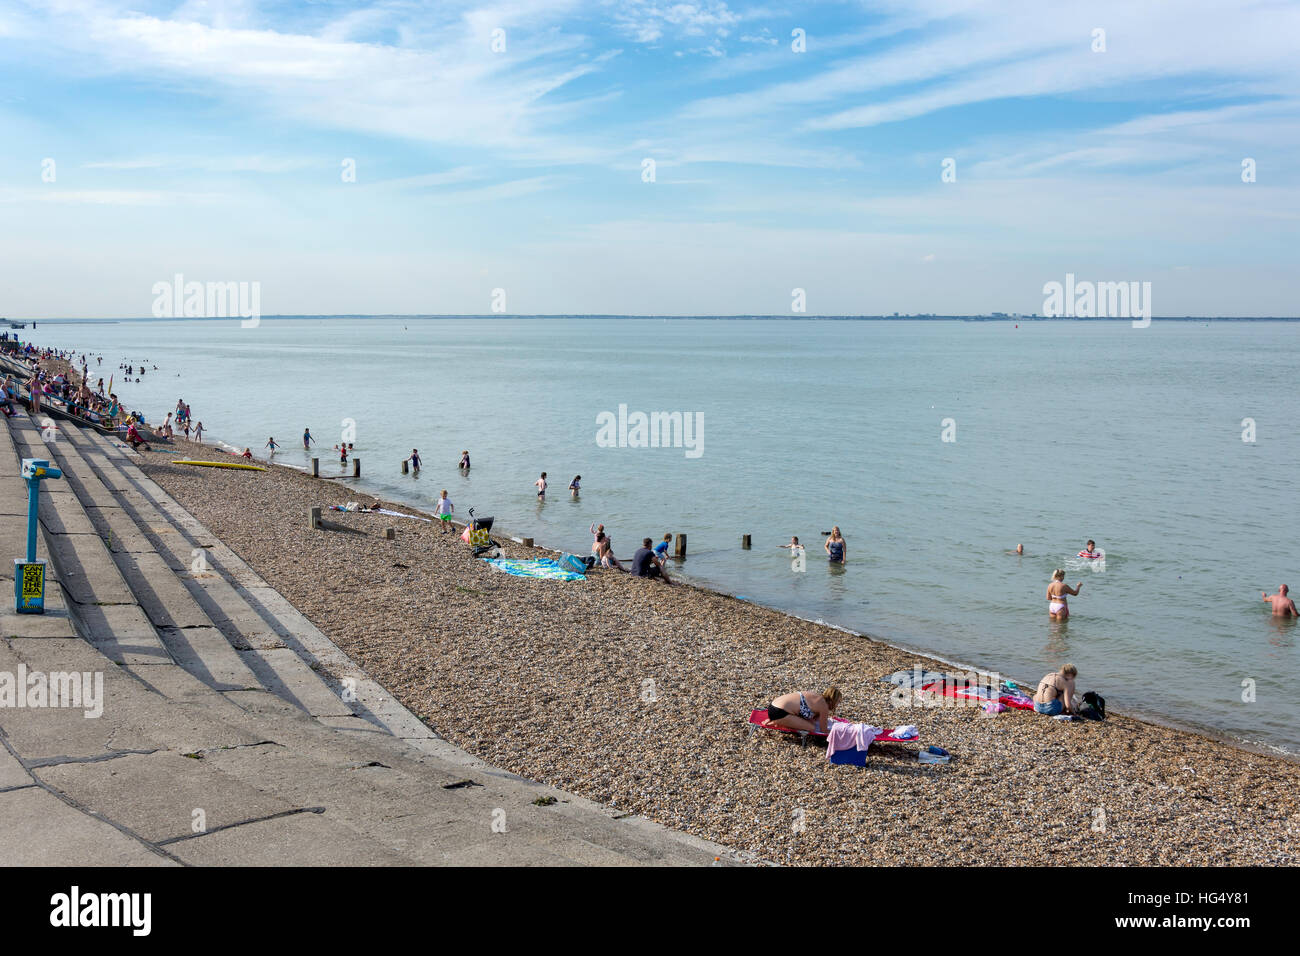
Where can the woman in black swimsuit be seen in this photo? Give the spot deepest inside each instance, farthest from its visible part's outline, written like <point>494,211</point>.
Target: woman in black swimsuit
<point>804,710</point>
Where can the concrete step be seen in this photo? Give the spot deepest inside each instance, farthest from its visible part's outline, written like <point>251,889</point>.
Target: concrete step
<point>183,596</point>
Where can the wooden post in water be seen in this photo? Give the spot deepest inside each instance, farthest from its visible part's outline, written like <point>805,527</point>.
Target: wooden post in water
<point>356,467</point>
<point>744,541</point>
<point>406,467</point>
<point>315,467</point>
<point>315,517</point>
<point>681,545</point>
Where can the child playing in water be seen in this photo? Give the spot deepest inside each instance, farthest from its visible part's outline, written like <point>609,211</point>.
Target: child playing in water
<point>270,443</point>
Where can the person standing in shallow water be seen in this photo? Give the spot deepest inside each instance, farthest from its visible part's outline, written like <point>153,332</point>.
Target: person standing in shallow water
<point>837,549</point>
<point>1058,609</point>
<point>541,487</point>
<point>307,439</point>
<point>1283,606</point>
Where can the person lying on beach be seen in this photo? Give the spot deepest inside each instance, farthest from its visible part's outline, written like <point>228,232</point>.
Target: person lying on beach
<point>1055,694</point>
<point>646,565</point>
<point>1058,608</point>
<point>837,549</point>
<point>804,710</point>
<point>1283,606</point>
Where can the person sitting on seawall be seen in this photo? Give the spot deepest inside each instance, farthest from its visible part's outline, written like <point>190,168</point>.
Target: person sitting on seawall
<point>804,710</point>
<point>646,565</point>
<point>1055,694</point>
<point>1058,609</point>
<point>1283,606</point>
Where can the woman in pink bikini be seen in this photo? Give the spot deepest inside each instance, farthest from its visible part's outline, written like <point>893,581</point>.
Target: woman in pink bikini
<point>1057,607</point>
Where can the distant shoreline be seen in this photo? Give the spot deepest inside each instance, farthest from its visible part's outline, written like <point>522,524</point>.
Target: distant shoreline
<point>683,318</point>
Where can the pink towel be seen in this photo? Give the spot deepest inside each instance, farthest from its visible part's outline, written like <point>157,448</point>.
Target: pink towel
<point>849,736</point>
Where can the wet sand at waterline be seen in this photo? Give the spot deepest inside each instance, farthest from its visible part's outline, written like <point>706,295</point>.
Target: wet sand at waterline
<point>548,680</point>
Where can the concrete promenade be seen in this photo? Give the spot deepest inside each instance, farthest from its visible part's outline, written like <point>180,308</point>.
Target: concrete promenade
<point>233,731</point>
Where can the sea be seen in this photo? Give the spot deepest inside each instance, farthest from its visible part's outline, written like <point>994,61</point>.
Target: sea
<point>936,446</point>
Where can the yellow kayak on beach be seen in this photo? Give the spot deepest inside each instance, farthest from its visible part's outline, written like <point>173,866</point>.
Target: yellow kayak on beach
<point>222,464</point>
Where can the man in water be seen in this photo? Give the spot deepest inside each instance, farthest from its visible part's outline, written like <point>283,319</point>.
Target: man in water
<point>541,486</point>
<point>1283,606</point>
<point>307,439</point>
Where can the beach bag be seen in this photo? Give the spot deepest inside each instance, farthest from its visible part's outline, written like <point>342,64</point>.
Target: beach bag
<point>480,537</point>
<point>571,562</point>
<point>1093,707</point>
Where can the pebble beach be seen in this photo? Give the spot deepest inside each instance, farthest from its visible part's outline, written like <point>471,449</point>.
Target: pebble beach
<point>637,695</point>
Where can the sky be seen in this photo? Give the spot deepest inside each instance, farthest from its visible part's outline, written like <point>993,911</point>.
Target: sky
<point>634,157</point>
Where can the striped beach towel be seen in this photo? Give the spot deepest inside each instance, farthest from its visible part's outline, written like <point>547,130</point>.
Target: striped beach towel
<point>544,568</point>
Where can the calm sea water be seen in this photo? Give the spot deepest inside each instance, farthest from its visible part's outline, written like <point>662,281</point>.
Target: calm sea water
<point>1064,431</point>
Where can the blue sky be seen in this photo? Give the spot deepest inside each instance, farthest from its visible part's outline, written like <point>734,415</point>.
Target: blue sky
<point>208,138</point>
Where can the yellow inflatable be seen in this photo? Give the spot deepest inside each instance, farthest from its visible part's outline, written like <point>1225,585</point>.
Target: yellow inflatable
<point>221,464</point>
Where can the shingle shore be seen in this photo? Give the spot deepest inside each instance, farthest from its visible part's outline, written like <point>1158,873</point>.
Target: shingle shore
<point>636,694</point>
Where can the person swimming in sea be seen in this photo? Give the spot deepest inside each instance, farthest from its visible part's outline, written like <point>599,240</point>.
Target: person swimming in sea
<point>1090,550</point>
<point>1057,606</point>
<point>837,549</point>
<point>1283,606</point>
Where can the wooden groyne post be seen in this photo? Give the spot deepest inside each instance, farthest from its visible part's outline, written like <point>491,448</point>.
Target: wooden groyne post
<point>680,550</point>
<point>406,466</point>
<point>356,467</point>
<point>745,541</point>
<point>314,517</point>
<point>315,467</point>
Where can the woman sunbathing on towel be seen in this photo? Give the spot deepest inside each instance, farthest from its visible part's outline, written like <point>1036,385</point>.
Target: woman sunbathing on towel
<point>804,710</point>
